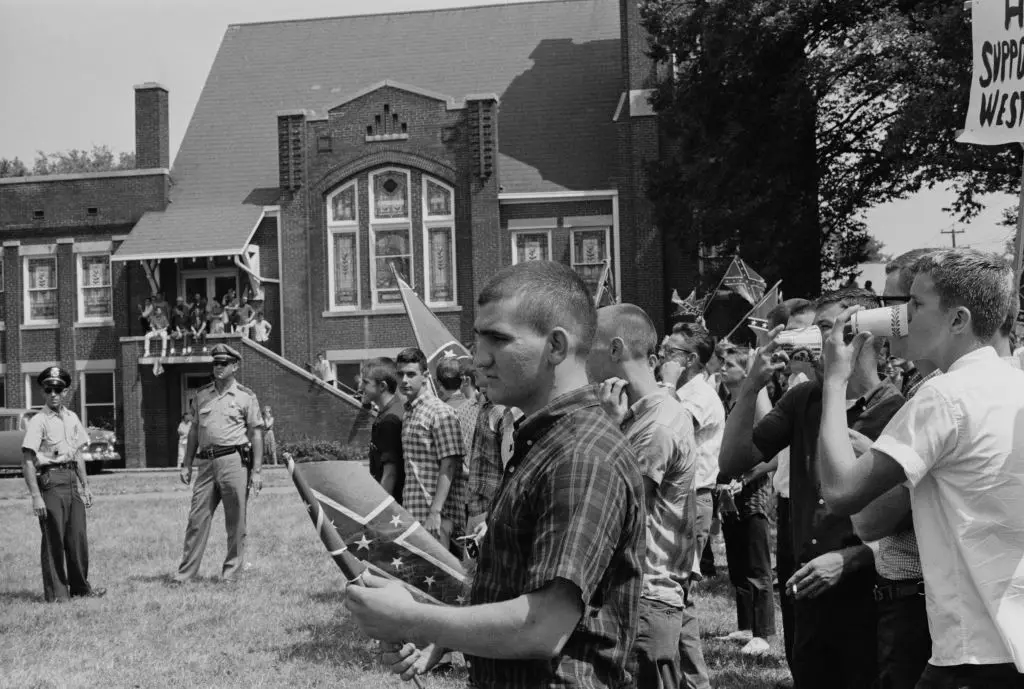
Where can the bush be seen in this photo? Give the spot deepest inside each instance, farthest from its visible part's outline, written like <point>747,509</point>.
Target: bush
<point>317,450</point>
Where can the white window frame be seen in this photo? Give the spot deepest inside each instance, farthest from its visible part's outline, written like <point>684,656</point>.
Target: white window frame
<point>26,290</point>
<point>515,234</point>
<point>343,227</point>
<point>79,290</point>
<point>82,392</point>
<point>572,245</point>
<point>438,222</point>
<point>389,225</point>
<point>30,385</point>
<point>3,288</point>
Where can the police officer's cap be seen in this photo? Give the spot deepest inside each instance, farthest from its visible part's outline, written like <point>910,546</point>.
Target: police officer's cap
<point>54,375</point>
<point>222,352</point>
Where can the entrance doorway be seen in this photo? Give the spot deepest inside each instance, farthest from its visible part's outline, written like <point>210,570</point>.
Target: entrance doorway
<point>211,284</point>
<point>190,384</point>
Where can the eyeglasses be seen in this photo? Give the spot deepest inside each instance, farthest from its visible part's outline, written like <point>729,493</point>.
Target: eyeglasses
<point>674,351</point>
<point>53,391</point>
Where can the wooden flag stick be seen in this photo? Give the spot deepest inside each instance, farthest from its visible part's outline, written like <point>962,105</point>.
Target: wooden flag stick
<point>1018,241</point>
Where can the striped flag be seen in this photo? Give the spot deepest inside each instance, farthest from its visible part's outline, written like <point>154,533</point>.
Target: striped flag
<point>742,280</point>
<point>431,335</point>
<point>363,527</point>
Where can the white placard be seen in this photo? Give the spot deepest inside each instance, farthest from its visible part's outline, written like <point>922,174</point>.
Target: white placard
<point>996,112</point>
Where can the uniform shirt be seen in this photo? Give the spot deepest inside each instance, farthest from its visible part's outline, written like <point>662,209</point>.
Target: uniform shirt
<point>570,507</point>
<point>386,443</point>
<point>795,423</point>
<point>959,440</point>
<point>54,436</point>
<point>430,433</point>
<point>704,405</point>
<point>224,418</point>
<point>485,467</point>
<point>660,431</point>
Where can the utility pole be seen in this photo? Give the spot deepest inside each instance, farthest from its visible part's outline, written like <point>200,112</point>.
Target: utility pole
<point>953,232</point>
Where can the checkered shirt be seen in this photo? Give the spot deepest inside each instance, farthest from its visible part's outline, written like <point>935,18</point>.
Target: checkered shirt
<point>898,557</point>
<point>570,507</point>
<point>430,433</point>
<point>485,468</point>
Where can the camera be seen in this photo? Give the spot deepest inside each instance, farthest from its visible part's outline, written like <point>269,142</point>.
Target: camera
<point>800,345</point>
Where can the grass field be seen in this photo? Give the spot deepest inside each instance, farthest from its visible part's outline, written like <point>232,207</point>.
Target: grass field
<point>283,625</point>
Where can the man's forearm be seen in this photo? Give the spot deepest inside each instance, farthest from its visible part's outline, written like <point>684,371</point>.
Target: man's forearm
<point>28,469</point>
<point>444,483</point>
<point>83,475</point>
<point>256,439</point>
<point>885,516</point>
<point>191,446</point>
<point>389,478</point>
<point>841,473</point>
<point>738,453</point>
<point>857,558</point>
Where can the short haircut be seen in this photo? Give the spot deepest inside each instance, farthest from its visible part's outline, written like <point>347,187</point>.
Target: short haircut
<point>741,355</point>
<point>633,326</point>
<point>847,297</point>
<point>798,306</point>
<point>699,339</point>
<point>978,281</point>
<point>1010,324</point>
<point>906,264</point>
<point>382,371</point>
<point>449,374</point>
<point>550,295</point>
<point>412,355</point>
<point>467,369</point>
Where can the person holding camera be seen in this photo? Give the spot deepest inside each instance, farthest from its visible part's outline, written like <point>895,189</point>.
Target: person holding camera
<point>227,441</point>
<point>834,641</point>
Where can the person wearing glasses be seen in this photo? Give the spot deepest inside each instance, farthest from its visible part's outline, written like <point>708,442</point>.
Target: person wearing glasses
<point>54,470</point>
<point>226,440</point>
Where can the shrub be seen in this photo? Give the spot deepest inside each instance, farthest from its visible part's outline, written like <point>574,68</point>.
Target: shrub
<point>317,450</point>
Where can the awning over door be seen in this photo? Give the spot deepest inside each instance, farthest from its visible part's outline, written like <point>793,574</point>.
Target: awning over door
<point>191,232</point>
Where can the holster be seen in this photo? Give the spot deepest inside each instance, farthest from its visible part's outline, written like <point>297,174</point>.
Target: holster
<point>245,451</point>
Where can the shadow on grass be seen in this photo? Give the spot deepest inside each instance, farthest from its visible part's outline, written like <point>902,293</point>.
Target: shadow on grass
<point>167,578</point>
<point>20,597</point>
<point>334,643</point>
<point>329,597</point>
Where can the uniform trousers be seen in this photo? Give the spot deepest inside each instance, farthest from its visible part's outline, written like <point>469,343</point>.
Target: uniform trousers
<point>221,479</point>
<point>64,554</point>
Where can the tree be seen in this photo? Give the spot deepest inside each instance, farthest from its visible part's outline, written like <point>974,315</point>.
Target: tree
<point>100,159</point>
<point>12,167</point>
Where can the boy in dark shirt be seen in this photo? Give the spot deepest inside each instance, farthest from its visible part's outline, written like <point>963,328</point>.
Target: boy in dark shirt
<point>379,383</point>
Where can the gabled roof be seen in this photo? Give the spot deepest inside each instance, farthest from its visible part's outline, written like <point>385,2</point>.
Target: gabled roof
<point>554,65</point>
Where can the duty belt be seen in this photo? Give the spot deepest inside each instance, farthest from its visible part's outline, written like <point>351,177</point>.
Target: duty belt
<point>56,465</point>
<point>215,451</point>
<point>898,590</point>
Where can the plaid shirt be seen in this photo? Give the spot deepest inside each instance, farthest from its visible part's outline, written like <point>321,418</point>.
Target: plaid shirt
<point>430,433</point>
<point>570,507</point>
<point>485,466</point>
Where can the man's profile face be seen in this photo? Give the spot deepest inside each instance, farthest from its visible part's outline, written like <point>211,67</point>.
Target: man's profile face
<point>410,380</point>
<point>510,354</point>
<point>371,389</point>
<point>928,322</point>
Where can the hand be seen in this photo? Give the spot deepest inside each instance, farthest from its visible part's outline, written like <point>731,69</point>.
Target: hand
<point>765,361</point>
<point>382,608</point>
<point>838,358</point>
<point>87,498</point>
<point>612,394</point>
<point>479,531</point>
<point>861,443</point>
<point>816,577</point>
<point>407,661</point>
<point>255,483</point>
<point>38,506</point>
<point>671,372</point>
<point>186,475</point>
<point>433,524</point>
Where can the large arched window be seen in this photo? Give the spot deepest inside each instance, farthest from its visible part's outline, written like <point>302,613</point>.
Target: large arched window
<point>390,233</point>
<point>438,243</point>
<point>343,247</point>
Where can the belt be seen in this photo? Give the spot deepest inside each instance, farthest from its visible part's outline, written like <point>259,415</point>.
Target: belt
<point>216,451</point>
<point>56,465</point>
<point>704,490</point>
<point>898,590</point>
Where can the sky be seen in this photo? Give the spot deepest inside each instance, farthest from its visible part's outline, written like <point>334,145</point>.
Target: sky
<point>67,68</point>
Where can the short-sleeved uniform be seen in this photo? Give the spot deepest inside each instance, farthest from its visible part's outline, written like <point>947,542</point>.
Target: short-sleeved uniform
<point>223,421</point>
<point>430,433</point>
<point>386,444</point>
<point>570,507</point>
<point>54,437</point>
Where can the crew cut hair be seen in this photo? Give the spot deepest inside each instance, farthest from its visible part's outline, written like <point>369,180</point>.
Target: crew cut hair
<point>550,295</point>
<point>382,371</point>
<point>978,281</point>
<point>906,263</point>
<point>449,374</point>
<point>847,297</point>
<point>633,326</point>
<point>412,355</point>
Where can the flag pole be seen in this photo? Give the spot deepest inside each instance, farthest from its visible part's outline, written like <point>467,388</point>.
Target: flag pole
<point>756,306</point>
<point>711,295</point>
<point>1018,241</point>
<point>352,567</point>
<point>601,283</point>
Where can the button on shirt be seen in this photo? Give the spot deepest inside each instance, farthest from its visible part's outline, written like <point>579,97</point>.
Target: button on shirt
<point>795,423</point>
<point>54,436</point>
<point>570,507</point>
<point>224,418</point>
<point>660,431</point>
<point>959,440</point>
<point>704,405</point>
<point>430,433</point>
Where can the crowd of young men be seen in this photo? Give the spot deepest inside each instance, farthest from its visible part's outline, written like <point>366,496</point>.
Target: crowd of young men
<point>580,455</point>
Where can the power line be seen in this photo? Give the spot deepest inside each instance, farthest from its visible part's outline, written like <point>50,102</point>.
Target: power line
<point>953,232</point>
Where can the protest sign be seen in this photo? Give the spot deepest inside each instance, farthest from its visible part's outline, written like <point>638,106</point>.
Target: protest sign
<point>995,115</point>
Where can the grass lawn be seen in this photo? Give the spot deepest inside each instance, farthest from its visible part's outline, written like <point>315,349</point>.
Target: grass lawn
<point>283,625</point>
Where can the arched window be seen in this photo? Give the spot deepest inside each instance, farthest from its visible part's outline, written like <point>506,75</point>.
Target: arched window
<point>438,243</point>
<point>343,247</point>
<point>390,234</point>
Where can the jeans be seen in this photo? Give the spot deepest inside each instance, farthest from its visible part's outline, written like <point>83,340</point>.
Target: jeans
<point>904,643</point>
<point>785,566</point>
<point>702,526</point>
<point>691,653</point>
<point>655,658</point>
<point>1003,676</point>
<point>748,548</point>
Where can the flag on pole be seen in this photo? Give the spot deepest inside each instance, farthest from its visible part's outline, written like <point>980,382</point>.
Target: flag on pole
<point>363,528</point>
<point>743,281</point>
<point>691,306</point>
<point>431,335</point>
<point>758,316</point>
<point>606,294</point>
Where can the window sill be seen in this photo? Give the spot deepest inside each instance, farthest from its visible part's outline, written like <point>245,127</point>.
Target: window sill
<point>105,323</point>
<point>3,326</point>
<point>386,311</point>
<point>45,325</point>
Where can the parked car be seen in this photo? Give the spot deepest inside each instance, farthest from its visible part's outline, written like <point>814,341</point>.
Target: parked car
<point>12,433</point>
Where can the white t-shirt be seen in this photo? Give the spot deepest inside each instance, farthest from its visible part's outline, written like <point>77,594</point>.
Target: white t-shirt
<point>703,403</point>
<point>960,441</point>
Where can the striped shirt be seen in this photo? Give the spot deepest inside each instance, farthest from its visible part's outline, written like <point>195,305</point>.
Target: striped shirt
<point>485,466</point>
<point>430,433</point>
<point>570,507</point>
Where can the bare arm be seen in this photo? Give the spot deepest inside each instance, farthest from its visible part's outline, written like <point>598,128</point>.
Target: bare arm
<point>444,482</point>
<point>885,516</point>
<point>256,438</point>
<point>389,478</point>
<point>738,453</point>
<point>28,469</point>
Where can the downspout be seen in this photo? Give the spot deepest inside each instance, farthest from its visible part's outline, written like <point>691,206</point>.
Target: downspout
<point>309,251</point>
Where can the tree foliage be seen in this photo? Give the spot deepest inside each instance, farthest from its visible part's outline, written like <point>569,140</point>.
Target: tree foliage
<point>75,161</point>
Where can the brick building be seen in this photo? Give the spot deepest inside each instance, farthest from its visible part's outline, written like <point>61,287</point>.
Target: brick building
<point>321,152</point>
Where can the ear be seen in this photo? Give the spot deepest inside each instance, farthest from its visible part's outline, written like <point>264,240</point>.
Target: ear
<point>962,321</point>
<point>617,349</point>
<point>559,345</point>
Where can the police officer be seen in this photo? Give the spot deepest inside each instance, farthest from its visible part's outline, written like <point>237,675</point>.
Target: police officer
<point>226,441</point>
<point>54,468</point>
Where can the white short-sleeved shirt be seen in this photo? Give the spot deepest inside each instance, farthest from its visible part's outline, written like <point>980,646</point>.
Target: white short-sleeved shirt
<point>960,441</point>
<point>703,403</point>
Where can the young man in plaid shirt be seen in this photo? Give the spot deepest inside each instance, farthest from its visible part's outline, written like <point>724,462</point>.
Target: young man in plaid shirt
<point>557,591</point>
<point>432,450</point>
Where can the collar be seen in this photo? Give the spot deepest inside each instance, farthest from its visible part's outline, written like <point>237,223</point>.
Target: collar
<point>457,396</point>
<point>536,424</point>
<point>416,401</point>
<point>57,412</point>
<point>697,381</point>
<point>230,390</point>
<point>978,356</point>
<point>645,404</point>
<point>881,392</point>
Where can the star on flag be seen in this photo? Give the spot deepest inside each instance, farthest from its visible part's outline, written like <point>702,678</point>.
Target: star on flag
<point>397,563</point>
<point>396,521</point>
<point>430,581</point>
<point>364,543</point>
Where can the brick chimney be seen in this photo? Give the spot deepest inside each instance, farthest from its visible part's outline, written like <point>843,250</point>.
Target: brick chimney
<point>152,131</point>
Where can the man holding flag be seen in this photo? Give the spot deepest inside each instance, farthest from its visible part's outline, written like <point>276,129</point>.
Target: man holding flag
<point>565,533</point>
